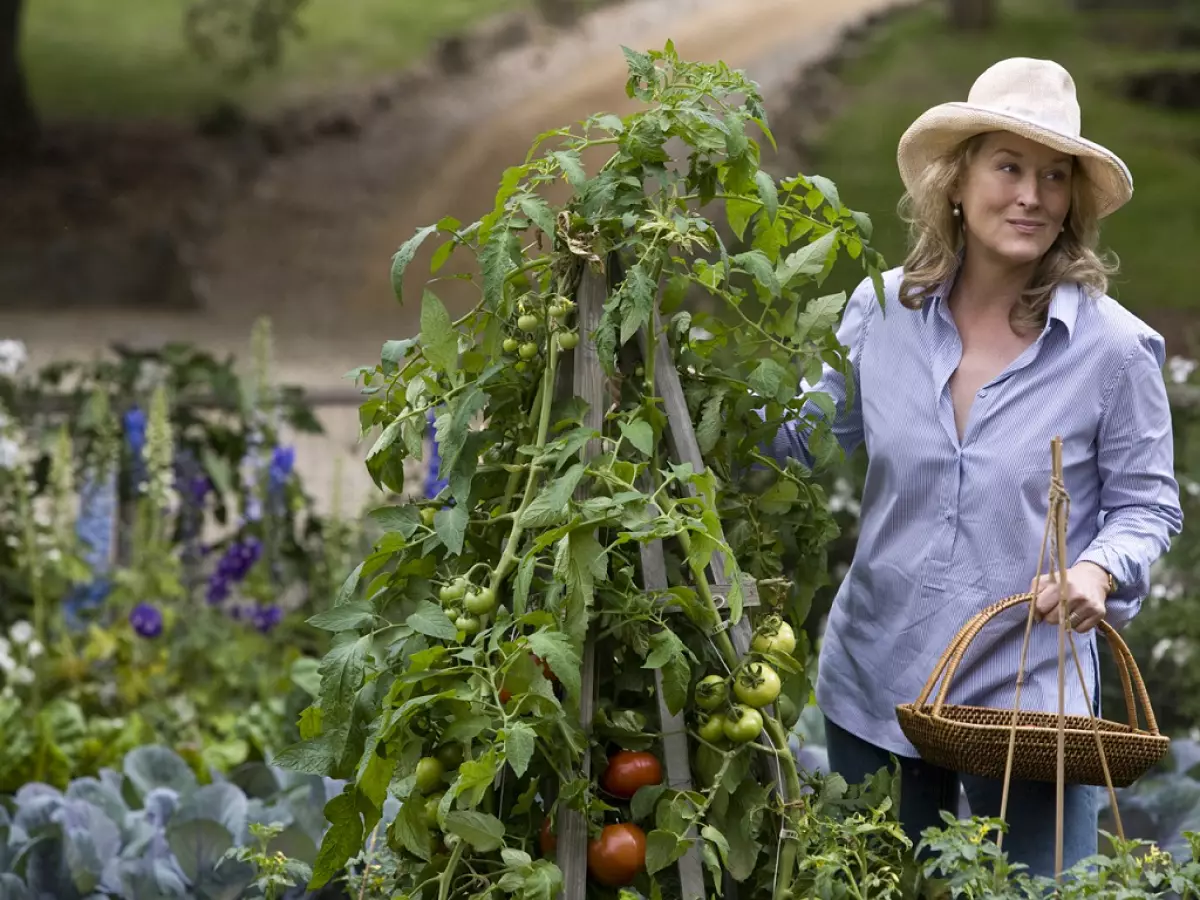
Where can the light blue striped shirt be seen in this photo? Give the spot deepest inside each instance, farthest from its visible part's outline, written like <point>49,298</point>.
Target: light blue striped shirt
<point>949,528</point>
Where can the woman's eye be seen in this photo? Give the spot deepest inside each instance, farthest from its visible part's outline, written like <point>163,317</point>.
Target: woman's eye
<point>1009,167</point>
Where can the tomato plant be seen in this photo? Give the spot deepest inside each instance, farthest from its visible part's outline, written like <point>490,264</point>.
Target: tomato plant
<point>467,629</point>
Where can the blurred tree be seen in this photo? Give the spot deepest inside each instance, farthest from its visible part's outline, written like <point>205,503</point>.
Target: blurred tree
<point>972,14</point>
<point>239,36</point>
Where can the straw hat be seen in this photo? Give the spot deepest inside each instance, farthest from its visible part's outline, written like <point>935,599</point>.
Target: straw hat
<point>1034,98</point>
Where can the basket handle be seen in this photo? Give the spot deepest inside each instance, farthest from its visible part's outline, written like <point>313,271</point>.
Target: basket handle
<point>1131,677</point>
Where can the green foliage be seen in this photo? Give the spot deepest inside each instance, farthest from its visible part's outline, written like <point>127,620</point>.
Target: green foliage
<point>96,531</point>
<point>555,532</point>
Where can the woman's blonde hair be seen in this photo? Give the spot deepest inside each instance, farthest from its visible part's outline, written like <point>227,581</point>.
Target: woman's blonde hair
<point>935,239</point>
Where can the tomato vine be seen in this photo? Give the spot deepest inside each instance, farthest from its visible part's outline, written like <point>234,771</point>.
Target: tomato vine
<point>454,681</point>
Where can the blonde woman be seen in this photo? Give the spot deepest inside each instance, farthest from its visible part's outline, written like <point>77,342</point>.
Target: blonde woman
<point>997,334</point>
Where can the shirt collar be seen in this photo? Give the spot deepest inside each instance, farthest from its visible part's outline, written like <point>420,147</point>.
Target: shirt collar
<point>1064,304</point>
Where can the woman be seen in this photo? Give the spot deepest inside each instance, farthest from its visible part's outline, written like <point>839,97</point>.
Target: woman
<point>996,336</point>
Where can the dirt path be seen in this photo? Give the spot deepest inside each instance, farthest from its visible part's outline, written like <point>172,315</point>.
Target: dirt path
<point>311,244</point>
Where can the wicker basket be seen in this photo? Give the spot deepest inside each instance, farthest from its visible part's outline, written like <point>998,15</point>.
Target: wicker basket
<point>976,740</point>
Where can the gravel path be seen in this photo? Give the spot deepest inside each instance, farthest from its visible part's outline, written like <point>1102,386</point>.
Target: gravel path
<point>311,244</point>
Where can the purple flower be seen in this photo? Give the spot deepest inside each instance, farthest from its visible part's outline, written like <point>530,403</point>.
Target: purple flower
<point>283,462</point>
<point>433,484</point>
<point>135,439</point>
<point>267,617</point>
<point>146,620</point>
<point>233,566</point>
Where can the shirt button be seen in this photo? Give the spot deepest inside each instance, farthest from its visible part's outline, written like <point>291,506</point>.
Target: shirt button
<point>983,392</point>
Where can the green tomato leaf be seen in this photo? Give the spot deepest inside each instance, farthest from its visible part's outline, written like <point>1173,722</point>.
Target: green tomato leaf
<point>808,260</point>
<point>341,676</point>
<point>539,212</point>
<point>405,255</point>
<point>768,193</point>
<point>767,378</point>
<point>759,266</point>
<point>662,849</point>
<point>451,526</point>
<point>644,801</point>
<point>404,520</point>
<point>342,840</point>
<point>409,828</point>
<point>641,434</point>
<point>820,315</point>
<point>351,616</point>
<point>636,301</point>
<point>522,584</point>
<point>709,429</point>
<point>551,506</point>
<point>482,831</point>
<point>572,166</point>
<point>556,649</point>
<point>429,619</point>
<point>439,340</point>
<point>519,745</point>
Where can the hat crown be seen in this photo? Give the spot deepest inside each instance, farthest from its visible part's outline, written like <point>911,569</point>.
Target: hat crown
<point>1037,90</point>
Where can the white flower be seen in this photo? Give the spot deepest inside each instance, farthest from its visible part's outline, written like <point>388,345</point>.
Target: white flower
<point>22,675</point>
<point>1161,649</point>
<point>5,646</point>
<point>1179,369</point>
<point>7,663</point>
<point>1159,591</point>
<point>21,632</point>
<point>12,357</point>
<point>35,649</point>
<point>10,453</point>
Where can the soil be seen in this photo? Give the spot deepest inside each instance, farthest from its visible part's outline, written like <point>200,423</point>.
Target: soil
<point>306,236</point>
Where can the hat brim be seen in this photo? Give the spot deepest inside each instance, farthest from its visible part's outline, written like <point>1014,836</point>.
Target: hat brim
<point>939,130</point>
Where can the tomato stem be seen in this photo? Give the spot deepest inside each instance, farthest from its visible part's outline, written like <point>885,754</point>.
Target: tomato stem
<point>546,397</point>
<point>447,875</point>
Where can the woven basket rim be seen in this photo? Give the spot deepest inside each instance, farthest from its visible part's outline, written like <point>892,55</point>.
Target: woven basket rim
<point>1072,723</point>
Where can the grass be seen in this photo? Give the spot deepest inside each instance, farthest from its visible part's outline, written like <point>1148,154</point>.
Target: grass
<point>123,59</point>
<point>915,62</point>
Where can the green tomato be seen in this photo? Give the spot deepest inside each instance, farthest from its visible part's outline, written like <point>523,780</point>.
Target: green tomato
<point>743,724</point>
<point>786,707</point>
<point>757,685</point>
<point>429,774</point>
<point>711,692</point>
<point>481,603</point>
<point>453,610</point>
<point>774,636</point>
<point>427,515</point>
<point>568,340</point>
<point>467,624</point>
<point>455,590</point>
<point>520,366</point>
<point>511,345</point>
<point>432,802</point>
<point>712,728</point>
<point>450,755</point>
<point>557,311</point>
<point>528,323</point>
<point>528,351</point>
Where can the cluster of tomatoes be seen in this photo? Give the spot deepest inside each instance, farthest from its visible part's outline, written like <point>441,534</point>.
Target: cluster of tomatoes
<point>737,720</point>
<point>466,605</point>
<point>529,322</point>
<point>618,854</point>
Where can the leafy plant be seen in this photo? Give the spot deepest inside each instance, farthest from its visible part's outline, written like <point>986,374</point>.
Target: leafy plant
<point>153,831</point>
<point>454,680</point>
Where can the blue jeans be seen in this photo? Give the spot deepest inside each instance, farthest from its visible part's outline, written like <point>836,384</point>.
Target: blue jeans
<point>926,789</point>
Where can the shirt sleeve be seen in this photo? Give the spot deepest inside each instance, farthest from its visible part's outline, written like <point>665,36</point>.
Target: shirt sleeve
<point>1139,496</point>
<point>792,439</point>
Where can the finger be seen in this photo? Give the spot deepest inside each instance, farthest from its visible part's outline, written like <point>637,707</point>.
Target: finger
<point>1047,603</point>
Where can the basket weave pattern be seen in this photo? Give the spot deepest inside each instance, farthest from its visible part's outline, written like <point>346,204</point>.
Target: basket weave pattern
<point>975,740</point>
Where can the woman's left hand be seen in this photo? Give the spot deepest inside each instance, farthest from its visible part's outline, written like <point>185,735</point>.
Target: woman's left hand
<point>1087,591</point>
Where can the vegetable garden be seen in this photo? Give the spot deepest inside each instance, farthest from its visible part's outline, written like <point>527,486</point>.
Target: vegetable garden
<point>530,686</point>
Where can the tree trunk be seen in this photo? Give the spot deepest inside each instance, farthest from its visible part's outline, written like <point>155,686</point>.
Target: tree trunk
<point>972,14</point>
<point>18,122</point>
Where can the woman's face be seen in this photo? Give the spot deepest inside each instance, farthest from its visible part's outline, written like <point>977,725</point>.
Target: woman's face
<point>1015,196</point>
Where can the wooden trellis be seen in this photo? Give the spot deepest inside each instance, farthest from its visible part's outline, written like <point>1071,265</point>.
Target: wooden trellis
<point>583,371</point>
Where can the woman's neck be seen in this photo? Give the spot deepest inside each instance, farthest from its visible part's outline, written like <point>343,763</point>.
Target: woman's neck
<point>988,288</point>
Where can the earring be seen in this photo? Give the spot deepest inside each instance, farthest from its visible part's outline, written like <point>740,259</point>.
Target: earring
<point>957,210</point>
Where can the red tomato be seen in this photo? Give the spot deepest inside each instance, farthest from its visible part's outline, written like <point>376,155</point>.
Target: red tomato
<point>618,855</point>
<point>505,695</point>
<point>627,771</point>
<point>546,670</point>
<point>547,840</point>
